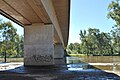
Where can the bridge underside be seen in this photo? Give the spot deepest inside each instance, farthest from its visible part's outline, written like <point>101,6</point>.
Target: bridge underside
<point>46,24</point>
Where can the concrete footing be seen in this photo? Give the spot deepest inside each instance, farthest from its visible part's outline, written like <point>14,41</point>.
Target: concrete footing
<point>59,61</point>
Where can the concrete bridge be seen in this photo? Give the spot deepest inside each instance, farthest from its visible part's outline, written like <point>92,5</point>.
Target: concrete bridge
<point>46,28</point>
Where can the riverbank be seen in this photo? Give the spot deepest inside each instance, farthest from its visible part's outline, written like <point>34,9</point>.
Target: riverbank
<point>76,55</point>
<point>86,55</point>
<point>12,59</point>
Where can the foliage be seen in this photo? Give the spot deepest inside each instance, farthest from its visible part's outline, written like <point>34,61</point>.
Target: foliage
<point>114,13</point>
<point>11,43</point>
<point>94,42</point>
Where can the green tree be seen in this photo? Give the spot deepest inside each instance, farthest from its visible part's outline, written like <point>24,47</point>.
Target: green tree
<point>73,48</point>
<point>114,13</point>
<point>19,45</point>
<point>11,43</point>
<point>84,44</point>
<point>8,33</point>
<point>94,42</point>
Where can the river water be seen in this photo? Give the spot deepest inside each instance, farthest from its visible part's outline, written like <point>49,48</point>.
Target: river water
<point>109,64</point>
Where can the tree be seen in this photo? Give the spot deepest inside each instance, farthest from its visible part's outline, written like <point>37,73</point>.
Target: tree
<point>11,43</point>
<point>8,33</point>
<point>19,45</point>
<point>84,45</point>
<point>114,13</point>
<point>73,48</point>
<point>94,42</point>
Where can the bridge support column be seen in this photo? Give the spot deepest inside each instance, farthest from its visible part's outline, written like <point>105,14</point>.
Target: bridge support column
<point>39,45</point>
<point>59,54</point>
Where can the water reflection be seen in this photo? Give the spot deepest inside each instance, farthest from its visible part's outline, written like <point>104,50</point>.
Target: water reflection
<point>95,63</point>
<point>82,67</point>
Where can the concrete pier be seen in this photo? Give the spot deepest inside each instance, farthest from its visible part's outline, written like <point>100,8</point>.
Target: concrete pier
<point>39,45</point>
<point>58,51</point>
<point>46,22</point>
<point>59,54</point>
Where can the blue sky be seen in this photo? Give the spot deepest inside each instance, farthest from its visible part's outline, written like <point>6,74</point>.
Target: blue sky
<point>84,14</point>
<point>88,13</point>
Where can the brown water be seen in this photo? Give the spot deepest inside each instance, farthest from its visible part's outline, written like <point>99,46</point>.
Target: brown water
<point>109,64</point>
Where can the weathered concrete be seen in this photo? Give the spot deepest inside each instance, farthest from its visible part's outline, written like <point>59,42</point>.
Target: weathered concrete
<point>58,50</point>
<point>52,14</point>
<point>59,54</point>
<point>39,45</point>
<point>59,61</point>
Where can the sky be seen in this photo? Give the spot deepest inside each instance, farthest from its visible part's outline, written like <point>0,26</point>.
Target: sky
<point>84,14</point>
<point>88,14</point>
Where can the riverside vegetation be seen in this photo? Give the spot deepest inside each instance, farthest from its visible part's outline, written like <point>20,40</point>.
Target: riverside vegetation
<point>94,42</point>
<point>11,43</point>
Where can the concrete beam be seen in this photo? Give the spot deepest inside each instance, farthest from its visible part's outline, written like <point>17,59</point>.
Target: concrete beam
<point>39,11</point>
<point>51,12</point>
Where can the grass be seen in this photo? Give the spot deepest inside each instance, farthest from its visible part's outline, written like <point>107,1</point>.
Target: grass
<point>12,59</point>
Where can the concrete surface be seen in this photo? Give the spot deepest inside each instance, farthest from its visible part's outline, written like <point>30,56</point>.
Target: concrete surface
<point>58,51</point>
<point>39,44</point>
<point>55,72</point>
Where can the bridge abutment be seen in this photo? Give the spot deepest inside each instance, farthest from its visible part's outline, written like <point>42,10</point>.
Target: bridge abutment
<point>39,45</point>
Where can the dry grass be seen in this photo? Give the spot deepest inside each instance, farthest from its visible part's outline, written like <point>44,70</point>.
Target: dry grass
<point>12,59</point>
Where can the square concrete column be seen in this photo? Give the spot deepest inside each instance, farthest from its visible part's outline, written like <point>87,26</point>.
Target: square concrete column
<point>59,54</point>
<point>39,45</point>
